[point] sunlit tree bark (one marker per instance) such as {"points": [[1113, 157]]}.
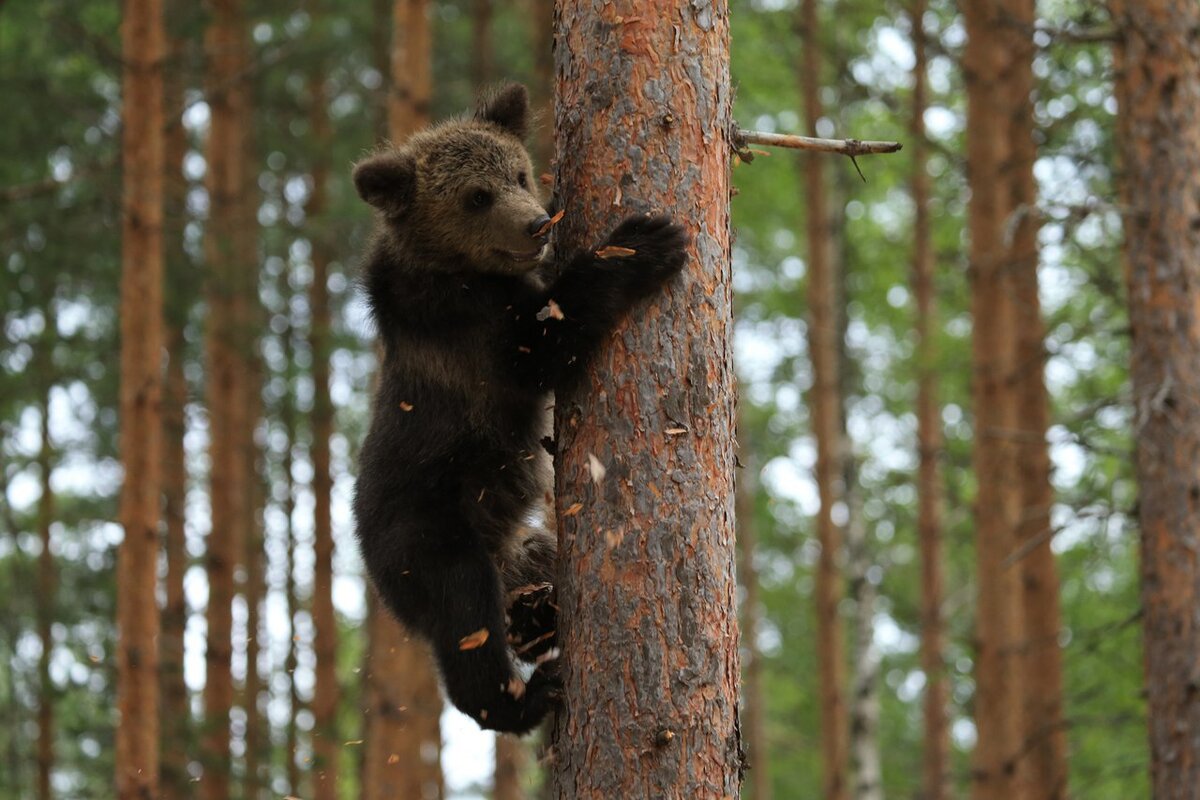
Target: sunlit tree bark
{"points": [[142, 43], [650, 654], [1158, 91]]}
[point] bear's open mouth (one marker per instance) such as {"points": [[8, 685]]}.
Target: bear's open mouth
{"points": [[528, 255]]}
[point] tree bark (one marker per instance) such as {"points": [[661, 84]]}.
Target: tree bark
{"points": [[224, 344], [47, 590], [512, 757], [647, 592], [991, 61], [541, 36], [825, 410], [482, 52], [1042, 752], [755, 703], [935, 760], [1158, 91], [287, 415], [401, 694], [142, 42], [326, 746]]}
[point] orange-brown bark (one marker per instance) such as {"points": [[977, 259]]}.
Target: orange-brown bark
{"points": [[142, 43], [224, 353], [1158, 91], [936, 750], [401, 695], [647, 593], [992, 62], [825, 411], [512, 757]]}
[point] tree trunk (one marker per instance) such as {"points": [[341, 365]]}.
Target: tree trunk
{"points": [[1158, 90], [482, 53], [825, 409], [865, 761], [990, 61], [47, 591], [287, 417], [512, 757], [935, 760], [326, 746], [255, 589], [647, 603], [401, 697], [755, 702], [541, 37], [142, 41], [1042, 750], [226, 48]]}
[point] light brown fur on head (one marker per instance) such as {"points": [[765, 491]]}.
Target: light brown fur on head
{"points": [[463, 193]]}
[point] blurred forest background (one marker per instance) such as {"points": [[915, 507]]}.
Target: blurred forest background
{"points": [[308, 671]]}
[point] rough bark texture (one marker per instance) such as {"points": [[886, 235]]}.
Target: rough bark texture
{"points": [[1158, 89], [142, 42], [754, 700], [991, 62], [1042, 750], [512, 758], [225, 45], [326, 747], [402, 699], [647, 604], [935, 760], [825, 412], [47, 593]]}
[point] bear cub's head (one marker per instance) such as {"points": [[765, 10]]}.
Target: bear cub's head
{"points": [[463, 193]]}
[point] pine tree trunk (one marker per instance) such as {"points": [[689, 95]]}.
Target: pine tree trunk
{"points": [[142, 42], [512, 757], [825, 410], [541, 37], [991, 59], [224, 343], [936, 745], [401, 695], [754, 701], [650, 660], [326, 746], [254, 590], [1042, 751], [47, 592], [1158, 91], [482, 54]]}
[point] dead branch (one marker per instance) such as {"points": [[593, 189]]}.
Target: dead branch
{"points": [[851, 148]]}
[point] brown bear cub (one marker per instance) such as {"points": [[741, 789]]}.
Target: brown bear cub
{"points": [[475, 344]]}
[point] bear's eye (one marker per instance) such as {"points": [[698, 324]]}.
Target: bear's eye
{"points": [[479, 199], [523, 180]]}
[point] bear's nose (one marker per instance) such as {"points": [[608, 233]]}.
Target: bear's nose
{"points": [[539, 227]]}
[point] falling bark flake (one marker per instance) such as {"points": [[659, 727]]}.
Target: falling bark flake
{"points": [[675, 431], [614, 251], [548, 224], [551, 311], [406, 406], [573, 510], [516, 687], [394, 758], [596, 469], [473, 641]]}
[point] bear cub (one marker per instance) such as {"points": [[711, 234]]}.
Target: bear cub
{"points": [[475, 341]]}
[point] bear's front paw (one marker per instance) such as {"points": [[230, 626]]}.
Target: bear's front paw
{"points": [[652, 249]]}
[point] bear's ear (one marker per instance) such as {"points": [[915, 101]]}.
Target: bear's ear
{"points": [[507, 107], [387, 181]]}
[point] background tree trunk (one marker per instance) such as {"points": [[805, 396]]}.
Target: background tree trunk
{"points": [[1043, 746], [142, 42], [47, 581], [936, 737], [287, 416], [1158, 90], [226, 49], [402, 699], [758, 750], [326, 746], [647, 587], [989, 61], [826, 425]]}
